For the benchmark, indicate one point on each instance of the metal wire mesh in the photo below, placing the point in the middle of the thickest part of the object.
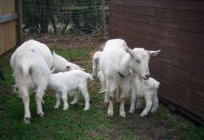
(65, 16)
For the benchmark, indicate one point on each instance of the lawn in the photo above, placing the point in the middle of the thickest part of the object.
(78, 124)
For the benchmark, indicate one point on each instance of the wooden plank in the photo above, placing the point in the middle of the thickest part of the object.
(8, 18)
(146, 43)
(170, 96)
(167, 4)
(153, 34)
(181, 64)
(188, 102)
(189, 89)
(7, 29)
(184, 111)
(163, 22)
(159, 12)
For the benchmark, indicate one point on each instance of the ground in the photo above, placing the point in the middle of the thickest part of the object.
(76, 123)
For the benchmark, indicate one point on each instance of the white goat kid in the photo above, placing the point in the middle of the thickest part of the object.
(118, 63)
(60, 64)
(63, 82)
(31, 64)
(146, 89)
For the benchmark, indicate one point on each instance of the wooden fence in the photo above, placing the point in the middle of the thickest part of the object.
(10, 24)
(177, 28)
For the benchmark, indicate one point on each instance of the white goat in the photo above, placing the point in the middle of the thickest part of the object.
(118, 64)
(60, 64)
(145, 89)
(31, 63)
(63, 82)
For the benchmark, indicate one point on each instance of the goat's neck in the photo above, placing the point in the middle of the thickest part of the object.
(124, 66)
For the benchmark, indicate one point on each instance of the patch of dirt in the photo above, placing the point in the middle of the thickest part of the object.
(67, 41)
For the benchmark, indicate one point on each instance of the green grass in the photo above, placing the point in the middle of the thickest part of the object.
(78, 124)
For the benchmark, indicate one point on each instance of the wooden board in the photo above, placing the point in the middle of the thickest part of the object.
(7, 29)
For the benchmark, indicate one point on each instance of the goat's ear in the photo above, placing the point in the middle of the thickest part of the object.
(154, 53)
(83, 69)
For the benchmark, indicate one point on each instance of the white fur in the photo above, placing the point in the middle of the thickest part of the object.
(31, 63)
(63, 82)
(60, 64)
(95, 61)
(146, 89)
(118, 58)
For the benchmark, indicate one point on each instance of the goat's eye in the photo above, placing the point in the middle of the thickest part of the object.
(138, 61)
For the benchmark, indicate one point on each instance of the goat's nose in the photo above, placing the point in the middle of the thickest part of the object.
(147, 76)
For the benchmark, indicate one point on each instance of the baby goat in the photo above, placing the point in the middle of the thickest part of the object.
(63, 82)
(148, 90)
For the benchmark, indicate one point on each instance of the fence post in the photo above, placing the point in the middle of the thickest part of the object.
(19, 31)
(103, 20)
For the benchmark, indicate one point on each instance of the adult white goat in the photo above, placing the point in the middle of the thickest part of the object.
(148, 90)
(63, 82)
(118, 63)
(31, 64)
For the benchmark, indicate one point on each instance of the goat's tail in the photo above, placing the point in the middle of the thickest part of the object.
(25, 67)
(89, 76)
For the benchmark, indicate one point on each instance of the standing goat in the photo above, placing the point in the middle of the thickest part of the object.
(148, 90)
(63, 82)
(119, 64)
(31, 64)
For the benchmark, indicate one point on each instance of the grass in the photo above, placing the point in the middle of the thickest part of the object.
(78, 124)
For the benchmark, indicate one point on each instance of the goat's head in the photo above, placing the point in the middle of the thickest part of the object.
(60, 64)
(140, 61)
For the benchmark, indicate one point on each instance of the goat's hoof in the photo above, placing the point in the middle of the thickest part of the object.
(110, 112)
(131, 111)
(56, 107)
(27, 120)
(41, 114)
(86, 108)
(65, 108)
(143, 114)
(122, 114)
(73, 103)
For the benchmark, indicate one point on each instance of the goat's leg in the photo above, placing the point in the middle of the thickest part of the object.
(39, 97)
(26, 101)
(58, 100)
(122, 107)
(64, 98)
(110, 94)
(148, 100)
(85, 94)
(94, 74)
(76, 96)
(139, 103)
(155, 102)
(133, 100)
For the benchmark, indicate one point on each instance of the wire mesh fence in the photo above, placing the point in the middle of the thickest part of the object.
(65, 16)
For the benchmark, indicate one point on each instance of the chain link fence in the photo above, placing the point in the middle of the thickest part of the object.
(65, 16)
